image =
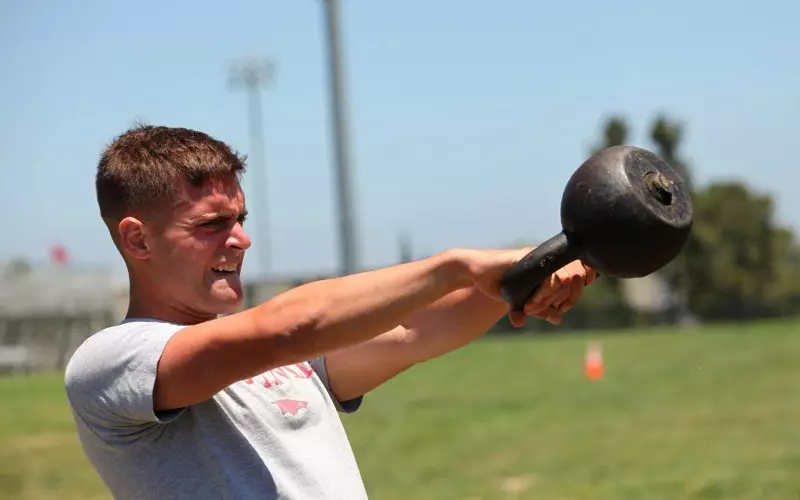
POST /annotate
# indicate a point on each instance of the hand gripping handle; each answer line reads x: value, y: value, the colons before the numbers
x: 521, y: 280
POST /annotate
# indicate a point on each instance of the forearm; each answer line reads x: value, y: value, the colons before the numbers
x: 444, y: 325
x: 449, y: 323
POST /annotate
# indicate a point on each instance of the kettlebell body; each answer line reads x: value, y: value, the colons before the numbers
x: 628, y: 211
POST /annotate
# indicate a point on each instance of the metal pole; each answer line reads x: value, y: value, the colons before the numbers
x: 258, y: 156
x: 253, y: 75
x: 348, y: 251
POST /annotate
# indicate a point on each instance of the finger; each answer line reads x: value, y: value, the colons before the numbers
x: 550, y: 314
x: 516, y: 318
x: 554, y: 318
x: 545, y: 314
x: 576, y: 288
x: 545, y: 289
x: 538, y: 307
x: 554, y: 285
x: 560, y: 297
x: 551, y: 291
x: 591, y: 275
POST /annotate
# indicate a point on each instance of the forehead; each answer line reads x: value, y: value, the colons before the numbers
x: 224, y: 196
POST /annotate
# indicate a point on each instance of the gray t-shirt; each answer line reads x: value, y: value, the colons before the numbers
x: 275, y: 436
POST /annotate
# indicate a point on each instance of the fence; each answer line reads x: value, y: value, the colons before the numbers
x: 45, y: 342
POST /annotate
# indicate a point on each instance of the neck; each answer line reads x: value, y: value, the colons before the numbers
x: 144, y: 303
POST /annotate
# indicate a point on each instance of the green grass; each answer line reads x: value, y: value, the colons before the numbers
x: 710, y: 414
x: 40, y: 457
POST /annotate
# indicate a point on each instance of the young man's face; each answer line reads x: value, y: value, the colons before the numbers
x: 197, y: 252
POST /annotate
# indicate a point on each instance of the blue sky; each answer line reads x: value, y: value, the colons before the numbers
x: 466, y: 118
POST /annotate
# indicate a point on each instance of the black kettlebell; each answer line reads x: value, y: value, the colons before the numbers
x: 625, y: 212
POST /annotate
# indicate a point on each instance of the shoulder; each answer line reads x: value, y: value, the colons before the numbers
x: 110, y: 353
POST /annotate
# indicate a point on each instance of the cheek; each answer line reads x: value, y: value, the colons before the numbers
x: 200, y: 249
x: 190, y: 250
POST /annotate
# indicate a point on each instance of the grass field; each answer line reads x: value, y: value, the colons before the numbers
x: 709, y: 414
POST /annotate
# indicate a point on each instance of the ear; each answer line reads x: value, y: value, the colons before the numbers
x: 133, y: 238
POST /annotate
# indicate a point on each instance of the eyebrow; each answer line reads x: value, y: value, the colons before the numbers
x: 222, y: 214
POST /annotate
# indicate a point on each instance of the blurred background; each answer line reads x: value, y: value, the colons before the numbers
x: 380, y: 132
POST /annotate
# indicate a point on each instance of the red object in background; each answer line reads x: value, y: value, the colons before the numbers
x: 593, y: 364
x: 59, y: 254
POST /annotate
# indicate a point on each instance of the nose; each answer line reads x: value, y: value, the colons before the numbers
x: 238, y: 238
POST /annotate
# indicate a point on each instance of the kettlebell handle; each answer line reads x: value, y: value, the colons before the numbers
x: 524, y: 278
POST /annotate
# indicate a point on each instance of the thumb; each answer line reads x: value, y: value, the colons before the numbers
x: 517, y: 318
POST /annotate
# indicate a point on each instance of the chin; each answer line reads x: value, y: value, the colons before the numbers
x: 231, y: 302
x: 227, y: 298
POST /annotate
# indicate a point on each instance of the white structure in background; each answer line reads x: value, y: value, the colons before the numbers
x: 47, y: 310
x: 649, y: 295
x: 652, y: 295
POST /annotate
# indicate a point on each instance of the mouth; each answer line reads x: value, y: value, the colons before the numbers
x: 231, y: 269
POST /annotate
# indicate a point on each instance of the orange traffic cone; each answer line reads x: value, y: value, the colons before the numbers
x: 593, y: 364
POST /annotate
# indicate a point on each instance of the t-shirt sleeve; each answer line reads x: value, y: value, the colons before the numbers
x: 349, y: 406
x: 110, y: 379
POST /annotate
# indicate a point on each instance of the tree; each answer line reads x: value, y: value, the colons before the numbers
x: 744, y: 266
x: 615, y: 133
x: 666, y: 135
x: 784, y: 291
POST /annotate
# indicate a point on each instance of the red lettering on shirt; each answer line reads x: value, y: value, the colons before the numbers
x: 298, y: 371
x: 307, y: 372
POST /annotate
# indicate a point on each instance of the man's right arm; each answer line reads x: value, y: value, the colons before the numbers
x: 301, y: 324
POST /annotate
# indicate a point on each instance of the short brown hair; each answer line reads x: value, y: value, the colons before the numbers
x: 143, y: 167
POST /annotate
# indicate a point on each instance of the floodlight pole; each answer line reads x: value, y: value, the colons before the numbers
x: 253, y: 75
x: 348, y: 247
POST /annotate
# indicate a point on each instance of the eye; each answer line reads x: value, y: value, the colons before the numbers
x: 242, y: 219
x: 214, y: 223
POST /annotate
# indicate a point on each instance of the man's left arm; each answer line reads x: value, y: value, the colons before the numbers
x: 448, y: 324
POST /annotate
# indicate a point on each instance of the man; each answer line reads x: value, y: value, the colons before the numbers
x: 187, y: 398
